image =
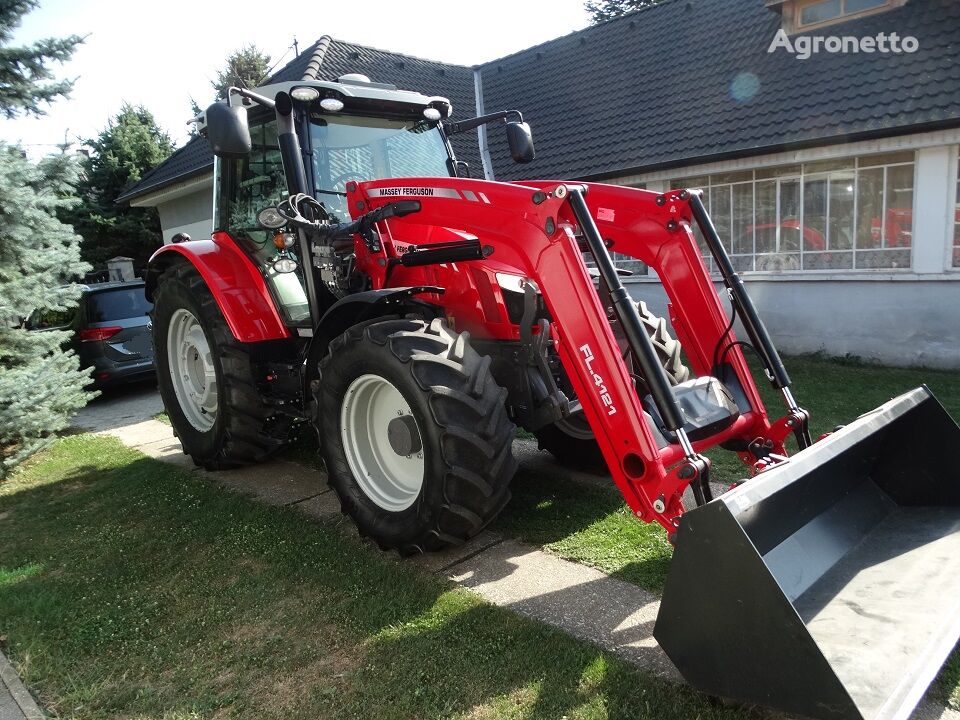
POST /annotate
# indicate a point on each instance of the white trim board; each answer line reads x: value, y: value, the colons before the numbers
x: 825, y: 152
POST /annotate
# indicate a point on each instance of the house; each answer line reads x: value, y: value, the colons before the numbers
x: 824, y: 133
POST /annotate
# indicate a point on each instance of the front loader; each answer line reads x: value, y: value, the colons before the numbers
x: 360, y: 282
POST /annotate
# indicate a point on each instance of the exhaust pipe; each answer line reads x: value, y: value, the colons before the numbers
x: 833, y: 578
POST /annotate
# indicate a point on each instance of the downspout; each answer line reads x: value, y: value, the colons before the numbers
x: 482, y: 130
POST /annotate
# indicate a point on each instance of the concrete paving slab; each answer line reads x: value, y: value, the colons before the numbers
x: 16, y: 702
x: 582, y: 601
x: 276, y: 482
x: 439, y: 561
x: 140, y: 432
x: 322, y: 507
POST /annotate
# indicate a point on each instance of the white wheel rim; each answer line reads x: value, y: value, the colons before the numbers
x: 191, y: 370
x: 387, y: 475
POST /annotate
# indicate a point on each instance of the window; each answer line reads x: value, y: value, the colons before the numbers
x: 119, y: 304
x: 821, y: 12
x: 348, y: 147
x: 956, y: 225
x: 849, y: 214
x: 255, y: 182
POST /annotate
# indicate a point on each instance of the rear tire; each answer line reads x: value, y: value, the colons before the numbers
x: 571, y: 440
x: 206, y: 377
x: 390, y: 388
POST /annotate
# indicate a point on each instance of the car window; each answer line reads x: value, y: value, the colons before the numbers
x: 41, y: 320
x: 117, y: 304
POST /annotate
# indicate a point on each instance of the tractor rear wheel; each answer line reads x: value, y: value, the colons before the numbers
x: 571, y: 441
x: 414, y: 433
x: 206, y: 377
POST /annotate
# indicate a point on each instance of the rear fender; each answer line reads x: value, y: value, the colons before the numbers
x: 235, y: 282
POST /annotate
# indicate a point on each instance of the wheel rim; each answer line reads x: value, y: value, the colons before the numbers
x: 192, y: 371
x: 575, y: 426
x: 382, y: 442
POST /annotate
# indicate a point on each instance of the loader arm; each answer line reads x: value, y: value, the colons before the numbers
x: 531, y: 229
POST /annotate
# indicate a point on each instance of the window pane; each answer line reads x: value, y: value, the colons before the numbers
x: 869, y: 209
x: 783, y: 171
x: 828, y: 260
x: 720, y: 212
x: 120, y: 304
x: 814, y: 215
x: 820, y: 12
x: 790, y: 215
x: 899, y: 216
x: 829, y: 165
x: 690, y: 183
x: 906, y: 156
x: 766, y: 224
x: 841, y: 211
x: 743, y: 219
x: 852, y: 6
x: 956, y: 227
x: 883, y: 259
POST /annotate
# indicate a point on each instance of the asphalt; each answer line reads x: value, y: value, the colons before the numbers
x: 582, y: 601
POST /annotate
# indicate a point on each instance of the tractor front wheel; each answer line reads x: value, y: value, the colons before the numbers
x: 206, y: 376
x: 415, y: 434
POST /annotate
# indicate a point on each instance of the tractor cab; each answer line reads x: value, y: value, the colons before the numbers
x: 320, y: 137
x: 352, y: 129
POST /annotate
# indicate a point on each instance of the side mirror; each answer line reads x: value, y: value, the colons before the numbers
x: 227, y: 131
x: 520, y: 140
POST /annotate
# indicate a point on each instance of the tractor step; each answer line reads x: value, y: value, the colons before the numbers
x: 833, y: 579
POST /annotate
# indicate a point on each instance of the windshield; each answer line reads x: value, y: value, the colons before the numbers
x: 349, y: 147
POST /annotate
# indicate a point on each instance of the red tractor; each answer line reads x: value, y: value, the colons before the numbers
x: 359, y: 282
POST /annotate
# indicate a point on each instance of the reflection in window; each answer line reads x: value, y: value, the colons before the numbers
x: 848, y: 214
x: 956, y: 225
x: 823, y: 11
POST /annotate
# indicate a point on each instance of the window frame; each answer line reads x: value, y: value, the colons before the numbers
x: 844, y: 16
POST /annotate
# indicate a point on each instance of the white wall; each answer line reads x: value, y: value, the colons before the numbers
x: 904, y: 322
x: 191, y: 214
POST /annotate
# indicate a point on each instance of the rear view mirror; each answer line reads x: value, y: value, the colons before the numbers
x: 520, y: 140
x: 227, y: 131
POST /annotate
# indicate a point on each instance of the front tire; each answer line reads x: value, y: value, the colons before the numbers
x: 415, y: 434
x: 206, y: 377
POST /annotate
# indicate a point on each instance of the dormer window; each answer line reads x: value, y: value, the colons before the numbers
x: 803, y: 15
x: 814, y: 13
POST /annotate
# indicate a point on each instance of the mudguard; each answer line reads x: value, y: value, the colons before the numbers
x: 235, y: 282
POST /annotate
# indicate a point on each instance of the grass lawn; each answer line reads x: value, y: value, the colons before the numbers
x: 593, y: 526
x: 130, y: 589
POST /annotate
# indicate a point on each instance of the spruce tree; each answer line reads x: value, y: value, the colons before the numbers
x: 26, y: 81
x: 41, y: 384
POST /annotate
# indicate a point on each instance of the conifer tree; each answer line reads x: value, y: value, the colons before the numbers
x: 41, y: 384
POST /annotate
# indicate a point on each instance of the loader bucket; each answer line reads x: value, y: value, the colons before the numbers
x: 828, y: 586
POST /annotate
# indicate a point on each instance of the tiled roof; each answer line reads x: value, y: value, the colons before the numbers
x: 688, y: 80
x: 455, y: 82
x: 194, y: 158
x: 677, y: 83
